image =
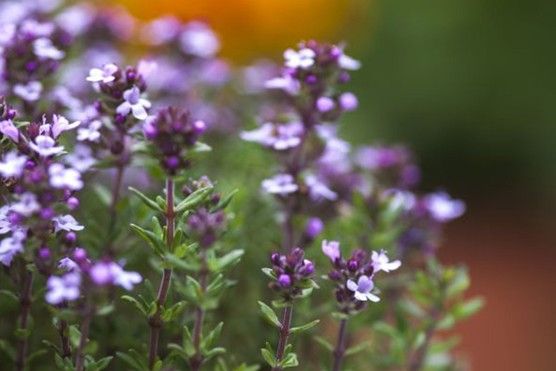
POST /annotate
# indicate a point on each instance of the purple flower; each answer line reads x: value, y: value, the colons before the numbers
x: 281, y: 184
x: 12, y: 165
x: 29, y: 92
x: 134, y: 103
x: 66, y: 223
x: 331, y: 249
x: 105, y: 75
x: 81, y: 159
x: 45, y: 146
x: 5, y: 224
x: 325, y: 104
x: 105, y: 273
x: 313, y: 227
x: 160, y: 30
x: 63, y: 178
x: 303, y: 58
x: 442, y: 208
x: 381, y: 262
x: 348, y: 101
x: 27, y: 204
x: 61, y: 124
x: 362, y: 289
x: 318, y: 190
x: 64, y: 288
x: 68, y: 264
x: 199, y: 40
x: 8, y: 129
x: 10, y: 246
x: 44, y: 49
x: 279, y: 137
x: 91, y: 132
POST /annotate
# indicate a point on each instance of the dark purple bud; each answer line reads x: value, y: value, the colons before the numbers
x: 15, y: 218
x: 335, y: 275
x: 44, y: 253
x: 353, y: 265
x: 335, y: 52
x: 344, y: 77
x: 119, y: 119
x: 284, y: 280
x: 311, y: 79
x: 199, y: 127
x: 11, y: 114
x: 47, y: 213
x: 30, y: 164
x: 275, y: 258
x: 307, y: 269
x: 172, y: 162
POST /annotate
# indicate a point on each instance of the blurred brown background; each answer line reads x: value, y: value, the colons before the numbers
x: 470, y: 86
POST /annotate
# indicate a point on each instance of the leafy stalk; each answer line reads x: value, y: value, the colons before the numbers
x: 155, y: 321
x: 284, y: 332
x: 197, y: 359
x: 25, y: 300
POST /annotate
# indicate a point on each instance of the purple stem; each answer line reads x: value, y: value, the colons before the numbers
x: 340, y: 349
x: 284, y: 334
x: 155, y: 321
x: 25, y: 303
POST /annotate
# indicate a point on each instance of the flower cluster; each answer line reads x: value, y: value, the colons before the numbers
x: 42, y: 189
x: 31, y: 51
x: 354, y: 275
x: 291, y: 274
x: 311, y: 155
x: 172, y: 132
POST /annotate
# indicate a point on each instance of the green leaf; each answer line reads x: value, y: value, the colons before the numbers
x: 269, y: 273
x: 103, y: 194
x: 290, y: 360
x: 325, y: 343
x: 468, y: 308
x: 174, y: 311
x: 135, y: 360
x: 147, y: 201
x: 99, y: 365
x: 142, y: 308
x: 194, y: 199
x: 209, y: 340
x: 154, y: 241
x: 200, y: 147
x: 10, y: 295
x: 269, y: 314
x: 7, y: 349
x: 22, y: 333
x: 231, y: 258
x: 224, y: 202
x: 214, y: 352
x: 304, y: 327
x: 268, y: 357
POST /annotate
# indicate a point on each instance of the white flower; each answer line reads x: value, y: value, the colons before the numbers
x: 105, y: 75
x: 66, y: 223
x: 8, y: 128
x: 348, y: 63
x: 29, y: 92
x: 303, y: 59
x: 61, y: 124
x: 60, y: 177
x: 81, y: 159
x: 381, y: 262
x: 281, y: 184
x: 45, y: 146
x: 442, y: 208
x: 318, y: 190
x: 44, y: 48
x: 362, y: 289
x: 27, y: 204
x: 10, y: 246
x: 12, y: 165
x: 104, y: 273
x: 91, y: 132
x: 134, y: 103
x: 5, y: 225
x: 64, y: 288
x: 285, y: 83
x: 198, y: 39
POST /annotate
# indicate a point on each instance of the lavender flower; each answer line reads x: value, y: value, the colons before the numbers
x: 66, y: 223
x: 362, y: 289
x: 12, y: 165
x: 64, y: 288
x: 29, y: 92
x: 134, y: 103
x: 442, y: 208
x: 106, y: 74
x: 280, y: 184
x: 292, y: 273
